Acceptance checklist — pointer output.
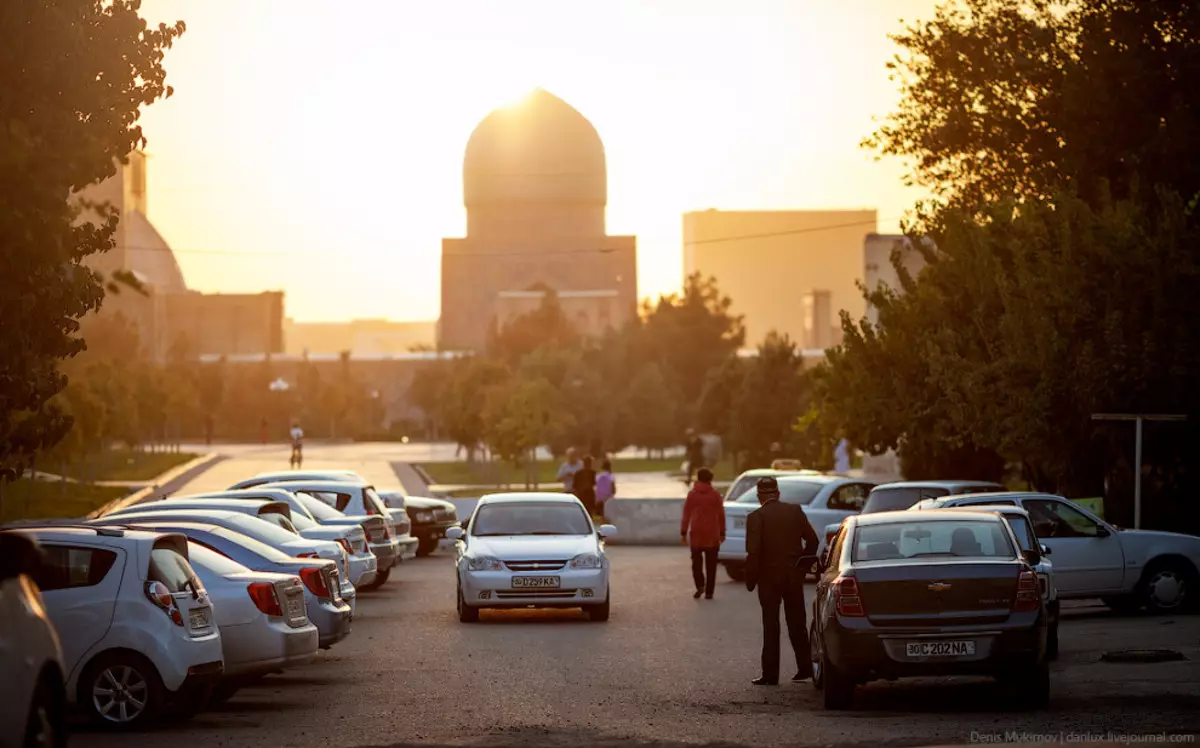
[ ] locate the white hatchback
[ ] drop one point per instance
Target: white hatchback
(138, 634)
(532, 550)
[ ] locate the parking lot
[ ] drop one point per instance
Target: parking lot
(666, 669)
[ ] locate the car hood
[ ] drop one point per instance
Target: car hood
(1146, 536)
(424, 502)
(532, 547)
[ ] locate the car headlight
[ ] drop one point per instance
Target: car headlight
(587, 561)
(484, 563)
(424, 516)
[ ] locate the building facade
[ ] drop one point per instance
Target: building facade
(791, 271)
(366, 337)
(535, 188)
(878, 268)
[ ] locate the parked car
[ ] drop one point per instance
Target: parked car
(826, 499)
(33, 711)
(397, 504)
(261, 615)
(927, 594)
(246, 524)
(1022, 527)
(353, 498)
(322, 590)
(749, 479)
(431, 519)
(1127, 569)
(894, 497)
(278, 476)
(374, 527)
(532, 549)
(283, 509)
(160, 650)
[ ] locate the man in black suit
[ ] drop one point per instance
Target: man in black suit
(777, 536)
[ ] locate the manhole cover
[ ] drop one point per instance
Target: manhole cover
(1142, 655)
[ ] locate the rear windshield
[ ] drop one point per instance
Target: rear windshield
(257, 528)
(900, 498)
(740, 487)
(205, 558)
(301, 522)
(257, 547)
(790, 492)
(968, 538)
(170, 568)
(373, 504)
(1021, 529)
(279, 521)
(393, 499)
(318, 508)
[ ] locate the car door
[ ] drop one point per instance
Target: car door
(1087, 556)
(79, 584)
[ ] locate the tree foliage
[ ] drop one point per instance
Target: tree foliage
(76, 75)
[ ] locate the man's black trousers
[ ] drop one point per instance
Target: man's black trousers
(704, 569)
(789, 592)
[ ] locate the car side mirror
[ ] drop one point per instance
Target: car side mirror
(18, 555)
(454, 533)
(1045, 549)
(1102, 531)
(1032, 557)
(607, 531)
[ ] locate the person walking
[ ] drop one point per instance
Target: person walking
(566, 471)
(694, 454)
(778, 535)
(297, 435)
(704, 525)
(583, 485)
(606, 487)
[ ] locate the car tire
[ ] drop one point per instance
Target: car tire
(137, 678)
(600, 612)
(736, 572)
(837, 686)
(466, 613)
(815, 656)
(47, 721)
(1167, 586)
(380, 579)
(426, 546)
(1122, 603)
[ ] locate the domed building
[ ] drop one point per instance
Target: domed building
(535, 187)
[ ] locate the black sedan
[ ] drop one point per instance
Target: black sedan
(936, 594)
(430, 520)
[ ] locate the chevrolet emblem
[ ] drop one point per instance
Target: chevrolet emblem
(939, 586)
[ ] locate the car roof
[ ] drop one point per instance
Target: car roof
(319, 483)
(764, 472)
(998, 508)
(516, 497)
(303, 473)
(935, 484)
(117, 536)
(201, 501)
(792, 476)
(202, 513)
(887, 518)
(241, 494)
(1000, 495)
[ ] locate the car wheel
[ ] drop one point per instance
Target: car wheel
(600, 612)
(736, 572)
(837, 685)
(466, 613)
(46, 726)
(121, 690)
(380, 579)
(814, 650)
(426, 546)
(1122, 603)
(1167, 586)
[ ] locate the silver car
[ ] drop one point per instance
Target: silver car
(323, 602)
(261, 615)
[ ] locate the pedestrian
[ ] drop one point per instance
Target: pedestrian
(297, 436)
(566, 471)
(778, 536)
(606, 487)
(583, 485)
(694, 451)
(704, 525)
(841, 458)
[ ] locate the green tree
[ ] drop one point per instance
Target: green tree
(651, 408)
(461, 408)
(520, 415)
(768, 402)
(67, 119)
(544, 327)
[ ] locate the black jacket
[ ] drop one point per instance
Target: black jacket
(777, 535)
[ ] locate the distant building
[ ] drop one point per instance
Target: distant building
(167, 313)
(366, 337)
(878, 268)
(791, 271)
(535, 187)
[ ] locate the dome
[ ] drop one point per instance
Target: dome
(538, 151)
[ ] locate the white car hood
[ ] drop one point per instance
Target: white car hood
(1175, 539)
(532, 547)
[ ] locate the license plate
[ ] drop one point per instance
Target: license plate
(295, 608)
(200, 618)
(535, 582)
(739, 523)
(940, 649)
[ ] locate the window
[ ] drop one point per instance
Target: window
(170, 568)
(320, 509)
(917, 539)
(253, 545)
(533, 518)
(340, 500)
(741, 486)
(218, 563)
(990, 503)
(278, 520)
(269, 533)
(66, 567)
(372, 504)
(900, 498)
(302, 522)
(985, 488)
(1058, 519)
(834, 558)
(1022, 530)
(796, 492)
(850, 498)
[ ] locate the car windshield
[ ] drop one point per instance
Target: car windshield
(170, 568)
(916, 539)
(318, 508)
(208, 559)
(533, 518)
(257, 547)
(900, 498)
(372, 503)
(790, 492)
(259, 529)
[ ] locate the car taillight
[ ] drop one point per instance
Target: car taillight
(314, 580)
(849, 599)
(307, 555)
(157, 593)
(346, 546)
(265, 598)
(1027, 592)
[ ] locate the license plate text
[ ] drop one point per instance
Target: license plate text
(940, 649)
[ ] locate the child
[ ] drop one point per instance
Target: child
(606, 487)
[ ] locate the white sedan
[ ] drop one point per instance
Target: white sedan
(531, 550)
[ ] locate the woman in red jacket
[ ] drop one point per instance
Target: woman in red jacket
(704, 521)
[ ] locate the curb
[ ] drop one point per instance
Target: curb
(166, 483)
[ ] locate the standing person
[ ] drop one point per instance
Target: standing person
(777, 536)
(704, 522)
(566, 471)
(297, 436)
(694, 450)
(606, 487)
(841, 458)
(583, 485)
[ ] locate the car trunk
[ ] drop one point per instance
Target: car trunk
(291, 599)
(376, 529)
(735, 518)
(915, 594)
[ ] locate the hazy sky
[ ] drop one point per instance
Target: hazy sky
(316, 147)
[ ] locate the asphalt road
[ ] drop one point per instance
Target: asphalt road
(665, 669)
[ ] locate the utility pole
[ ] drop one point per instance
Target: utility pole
(1138, 419)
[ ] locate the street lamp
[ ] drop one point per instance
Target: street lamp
(1137, 418)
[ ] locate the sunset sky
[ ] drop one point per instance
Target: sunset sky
(316, 147)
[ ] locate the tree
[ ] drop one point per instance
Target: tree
(768, 401)
(461, 409)
(544, 327)
(68, 118)
(520, 415)
(651, 408)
